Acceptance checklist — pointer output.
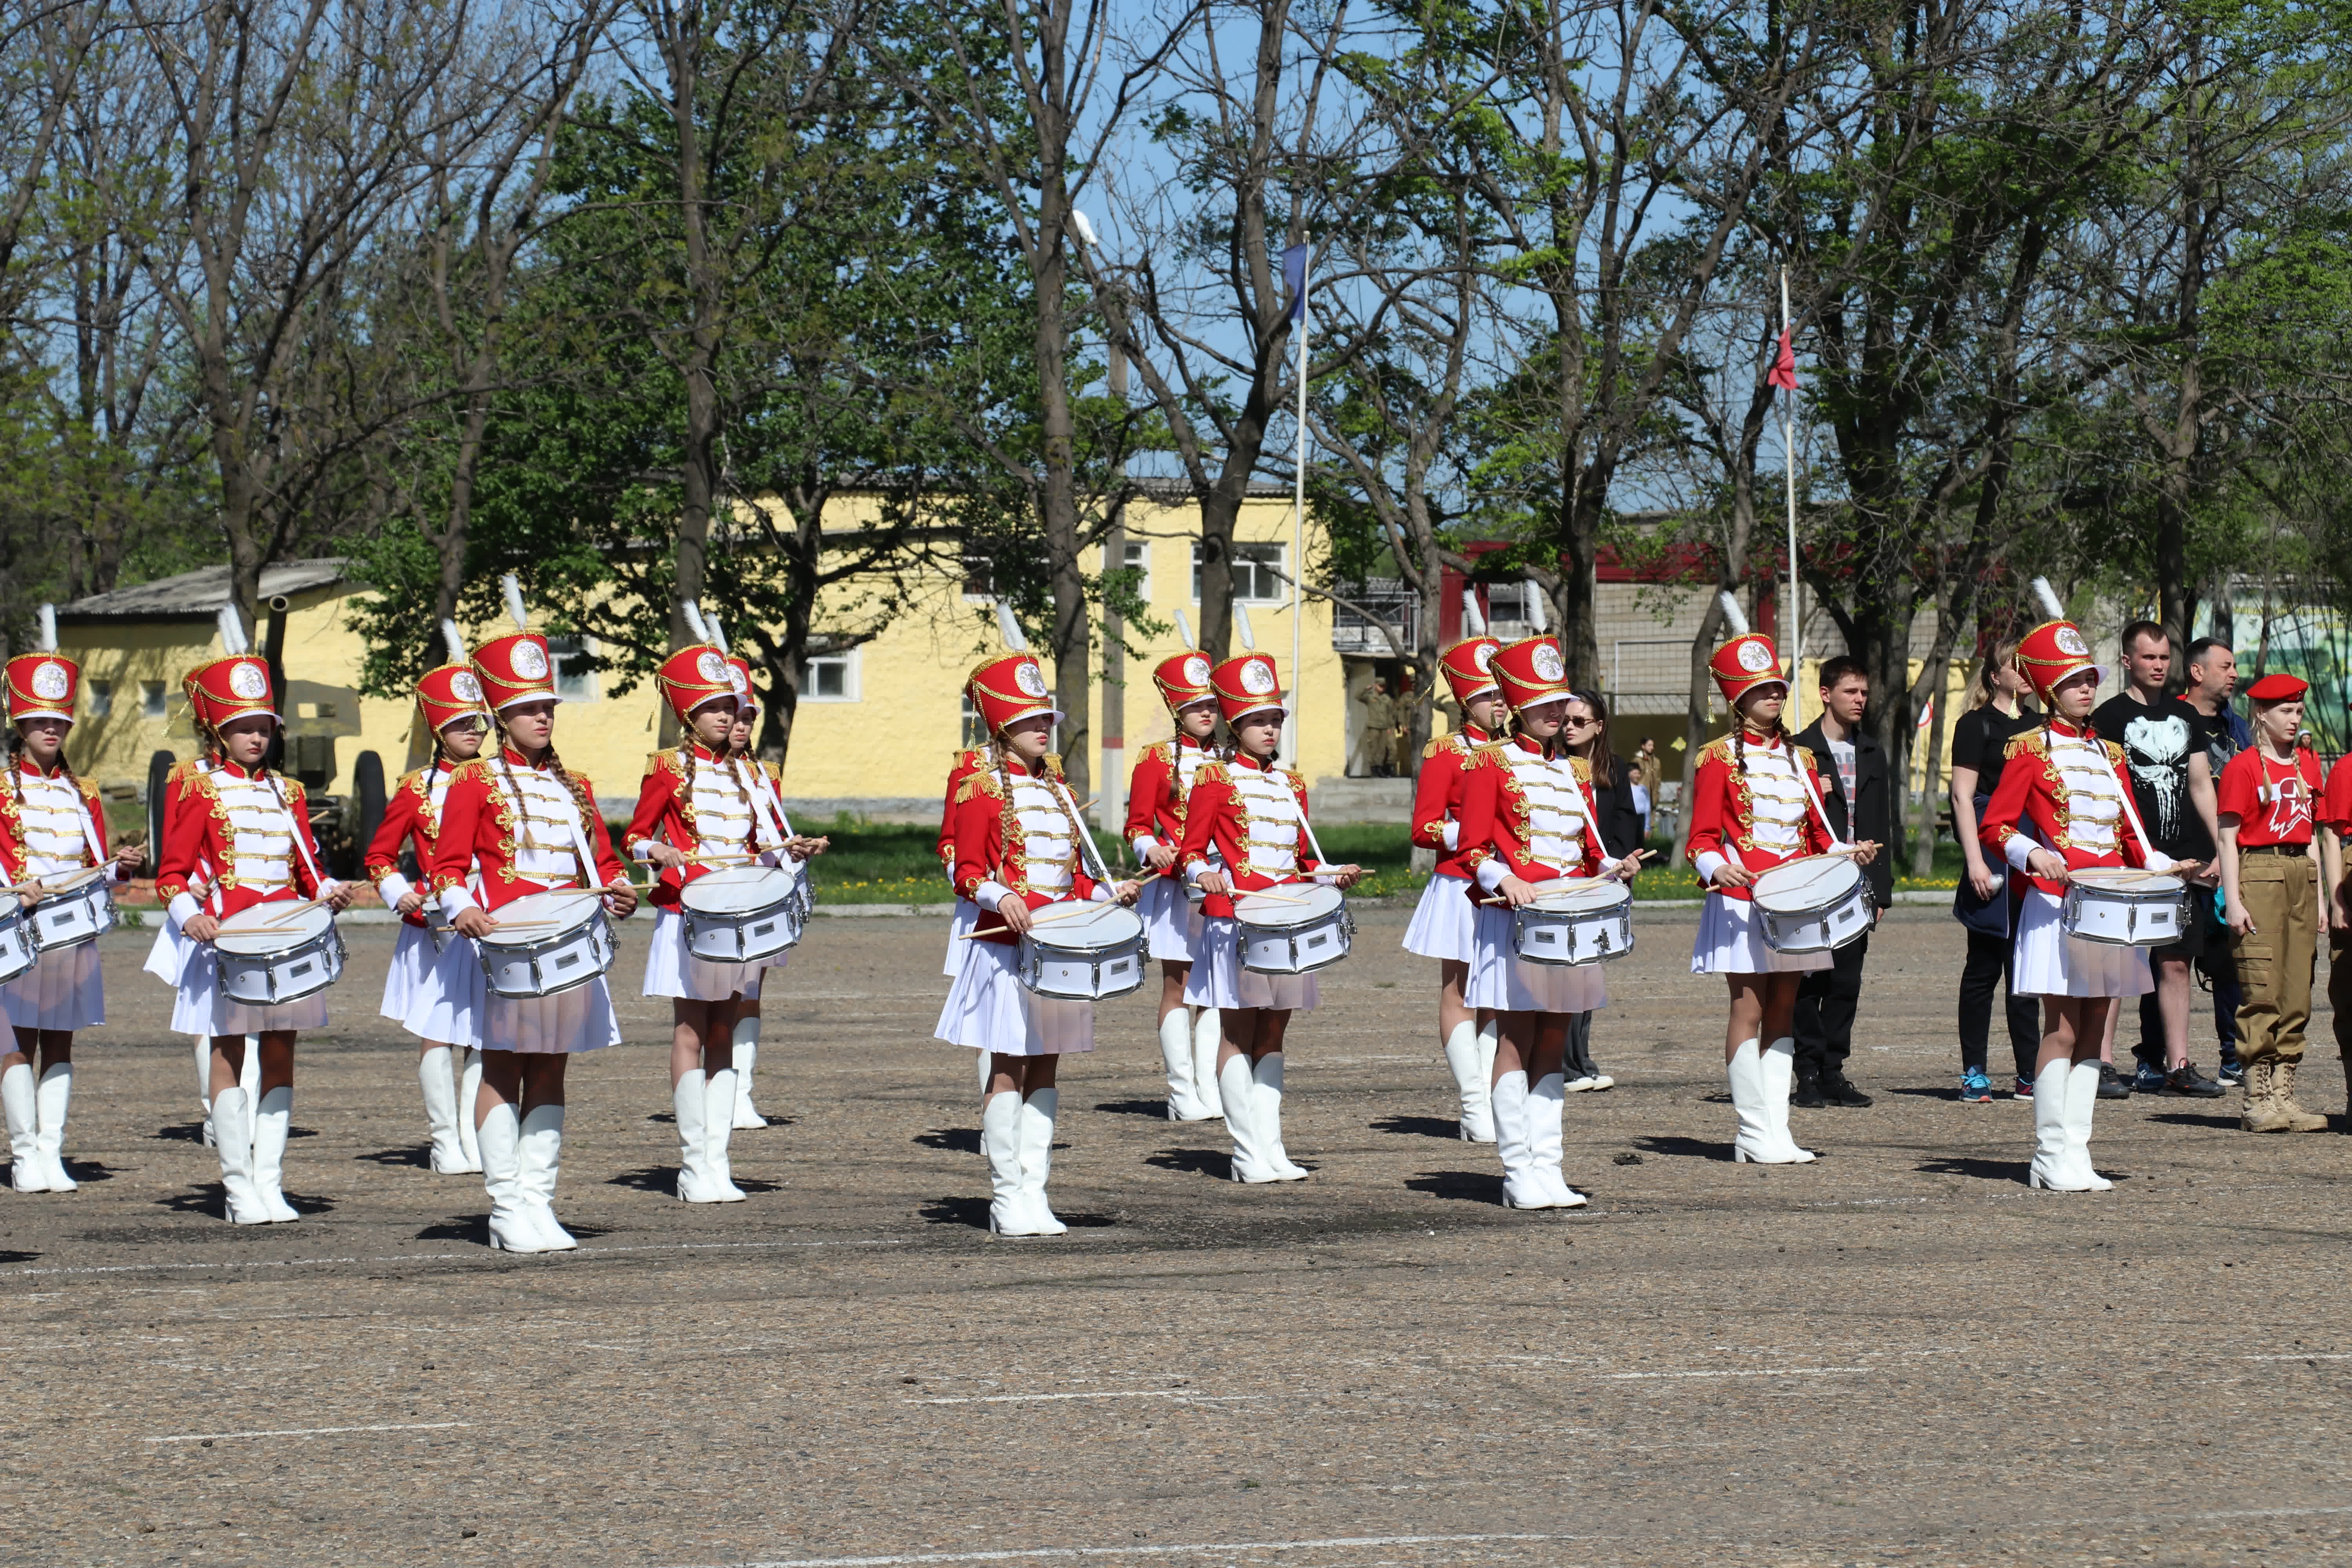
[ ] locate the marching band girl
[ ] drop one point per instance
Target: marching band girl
(1021, 847)
(249, 829)
(1245, 832)
(433, 989)
(1163, 776)
(1442, 920)
(51, 825)
(2065, 802)
(531, 826)
(1755, 805)
(1529, 816)
(172, 956)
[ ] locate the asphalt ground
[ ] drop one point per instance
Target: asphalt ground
(1896, 1354)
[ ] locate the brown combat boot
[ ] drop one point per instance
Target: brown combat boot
(2261, 1112)
(2298, 1120)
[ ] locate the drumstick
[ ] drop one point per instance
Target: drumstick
(281, 916)
(1046, 915)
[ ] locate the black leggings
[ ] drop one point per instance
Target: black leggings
(1988, 969)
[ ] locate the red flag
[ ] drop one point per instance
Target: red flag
(1783, 373)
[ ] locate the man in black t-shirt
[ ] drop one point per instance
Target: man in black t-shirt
(2165, 744)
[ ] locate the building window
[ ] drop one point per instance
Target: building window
(979, 577)
(102, 699)
(829, 677)
(151, 699)
(1256, 569)
(1136, 556)
(575, 675)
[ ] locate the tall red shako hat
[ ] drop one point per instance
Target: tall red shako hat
(1249, 684)
(2055, 650)
(739, 668)
(696, 675)
(1184, 678)
(1467, 665)
(43, 684)
(517, 667)
(1008, 689)
(1531, 671)
(452, 692)
(1746, 661)
(225, 690)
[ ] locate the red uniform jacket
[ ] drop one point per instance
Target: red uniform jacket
(1495, 811)
(1437, 796)
(408, 815)
(12, 824)
(1155, 798)
(966, 763)
(1721, 819)
(2030, 793)
(991, 847)
(666, 809)
(1214, 819)
(479, 824)
(198, 841)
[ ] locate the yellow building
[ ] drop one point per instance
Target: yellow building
(875, 727)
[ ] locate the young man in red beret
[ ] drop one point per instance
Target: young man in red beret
(2269, 888)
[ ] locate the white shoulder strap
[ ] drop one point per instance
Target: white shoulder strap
(1805, 779)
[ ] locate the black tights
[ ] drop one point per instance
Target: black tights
(1988, 970)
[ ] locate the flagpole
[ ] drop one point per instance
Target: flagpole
(1796, 604)
(1299, 526)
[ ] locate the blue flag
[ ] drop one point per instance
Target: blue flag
(1294, 273)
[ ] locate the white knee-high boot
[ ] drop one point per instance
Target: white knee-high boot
(1000, 1141)
(1546, 1102)
(270, 1126)
(500, 1140)
(718, 1129)
(234, 1129)
(1238, 1090)
(1777, 1064)
(2052, 1166)
(469, 1090)
(688, 1100)
(1744, 1073)
(542, 1155)
(2082, 1096)
(1265, 1106)
(22, 1105)
(747, 1057)
(1522, 1188)
(1465, 1060)
(205, 1084)
(436, 1077)
(55, 1094)
(1208, 1035)
(1037, 1112)
(1176, 1056)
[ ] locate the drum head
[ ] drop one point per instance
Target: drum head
(1085, 925)
(2124, 879)
(66, 883)
(737, 890)
(1292, 904)
(1581, 895)
(540, 917)
(273, 927)
(1807, 884)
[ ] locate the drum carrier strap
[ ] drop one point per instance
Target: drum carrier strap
(1089, 853)
(763, 794)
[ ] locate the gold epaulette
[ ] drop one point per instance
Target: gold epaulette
(2033, 742)
(1718, 749)
(1582, 768)
(1436, 744)
(981, 782)
(1298, 780)
(1211, 772)
(1805, 755)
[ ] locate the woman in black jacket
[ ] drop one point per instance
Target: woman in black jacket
(1586, 735)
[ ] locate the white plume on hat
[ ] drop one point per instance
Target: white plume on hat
(2048, 599)
(511, 586)
(693, 613)
(232, 631)
(1733, 615)
(1010, 629)
(1241, 626)
(717, 633)
(454, 642)
(1474, 625)
(1184, 630)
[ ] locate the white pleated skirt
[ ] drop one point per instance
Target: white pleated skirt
(672, 971)
(412, 956)
(436, 994)
(580, 1019)
(1443, 924)
(988, 1009)
(1218, 979)
(966, 916)
(1171, 923)
(1730, 942)
(185, 966)
(2051, 963)
(1502, 980)
(63, 990)
(223, 1014)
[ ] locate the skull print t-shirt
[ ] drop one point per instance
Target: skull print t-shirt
(2158, 738)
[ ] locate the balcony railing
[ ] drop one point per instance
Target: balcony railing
(1399, 611)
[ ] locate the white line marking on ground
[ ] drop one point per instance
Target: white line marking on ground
(308, 1432)
(2301, 1355)
(484, 1256)
(1184, 1394)
(1037, 1553)
(1764, 1372)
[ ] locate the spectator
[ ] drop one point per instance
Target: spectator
(1648, 775)
(2212, 681)
(1981, 902)
(1586, 734)
(1376, 741)
(2270, 877)
(1858, 796)
(2164, 742)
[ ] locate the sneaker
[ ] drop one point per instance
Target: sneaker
(1976, 1088)
(2185, 1079)
(2024, 1089)
(2147, 1078)
(1840, 1090)
(1808, 1094)
(2233, 1073)
(2112, 1084)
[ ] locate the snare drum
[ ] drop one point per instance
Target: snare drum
(1093, 951)
(1296, 928)
(17, 951)
(77, 909)
(271, 954)
(546, 944)
(744, 913)
(2123, 907)
(1814, 904)
(1576, 920)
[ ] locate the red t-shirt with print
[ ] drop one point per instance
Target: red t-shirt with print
(2336, 800)
(2271, 801)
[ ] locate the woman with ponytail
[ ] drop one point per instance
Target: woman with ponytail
(51, 827)
(433, 989)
